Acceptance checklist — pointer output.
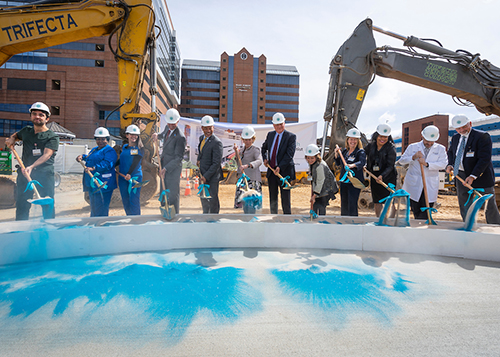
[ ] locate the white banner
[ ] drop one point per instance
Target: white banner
(230, 133)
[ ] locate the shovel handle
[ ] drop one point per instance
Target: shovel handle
(340, 154)
(28, 177)
(376, 178)
(467, 185)
(425, 191)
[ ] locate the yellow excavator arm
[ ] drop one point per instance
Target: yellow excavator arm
(36, 26)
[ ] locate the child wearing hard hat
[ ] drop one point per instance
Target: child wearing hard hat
(323, 183)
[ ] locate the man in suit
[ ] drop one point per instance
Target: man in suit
(277, 151)
(209, 161)
(174, 145)
(469, 156)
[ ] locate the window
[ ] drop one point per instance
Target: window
(55, 110)
(223, 78)
(99, 47)
(262, 89)
(223, 87)
(56, 84)
(261, 81)
(223, 69)
(223, 97)
(9, 127)
(26, 84)
(223, 105)
(99, 63)
(223, 115)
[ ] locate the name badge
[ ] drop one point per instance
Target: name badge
(350, 158)
(469, 154)
(376, 168)
(37, 152)
(134, 152)
(107, 175)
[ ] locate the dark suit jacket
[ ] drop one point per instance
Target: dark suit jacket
(173, 150)
(476, 157)
(210, 158)
(284, 155)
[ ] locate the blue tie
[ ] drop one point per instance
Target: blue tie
(458, 158)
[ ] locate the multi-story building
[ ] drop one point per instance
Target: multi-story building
(239, 89)
(79, 81)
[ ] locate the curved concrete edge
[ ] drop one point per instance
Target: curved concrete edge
(22, 242)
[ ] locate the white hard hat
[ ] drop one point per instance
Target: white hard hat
(207, 120)
(384, 129)
(431, 133)
(40, 106)
(459, 120)
(172, 116)
(278, 118)
(133, 129)
(101, 132)
(353, 133)
(248, 132)
(312, 150)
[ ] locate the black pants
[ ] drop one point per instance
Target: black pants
(415, 207)
(320, 204)
(349, 196)
(274, 182)
(46, 180)
(211, 205)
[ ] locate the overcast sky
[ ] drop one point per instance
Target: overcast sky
(307, 34)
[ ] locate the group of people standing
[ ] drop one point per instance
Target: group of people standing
(468, 157)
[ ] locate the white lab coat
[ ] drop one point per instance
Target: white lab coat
(437, 160)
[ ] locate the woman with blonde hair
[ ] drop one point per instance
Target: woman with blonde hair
(355, 158)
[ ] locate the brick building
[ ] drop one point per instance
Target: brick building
(79, 81)
(412, 130)
(239, 89)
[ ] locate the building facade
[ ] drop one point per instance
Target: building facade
(239, 89)
(79, 81)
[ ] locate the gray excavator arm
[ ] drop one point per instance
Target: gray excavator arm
(464, 76)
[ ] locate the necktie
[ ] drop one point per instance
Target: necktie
(202, 144)
(275, 150)
(168, 134)
(460, 153)
(426, 151)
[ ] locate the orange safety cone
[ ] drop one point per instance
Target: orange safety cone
(188, 188)
(196, 183)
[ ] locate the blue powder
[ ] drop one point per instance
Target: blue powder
(174, 292)
(342, 292)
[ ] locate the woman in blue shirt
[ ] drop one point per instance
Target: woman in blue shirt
(100, 162)
(129, 165)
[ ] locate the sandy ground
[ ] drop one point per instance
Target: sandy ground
(69, 202)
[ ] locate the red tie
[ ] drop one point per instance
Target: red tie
(168, 134)
(275, 150)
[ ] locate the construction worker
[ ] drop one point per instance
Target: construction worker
(209, 161)
(129, 164)
(39, 150)
(100, 162)
(174, 146)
